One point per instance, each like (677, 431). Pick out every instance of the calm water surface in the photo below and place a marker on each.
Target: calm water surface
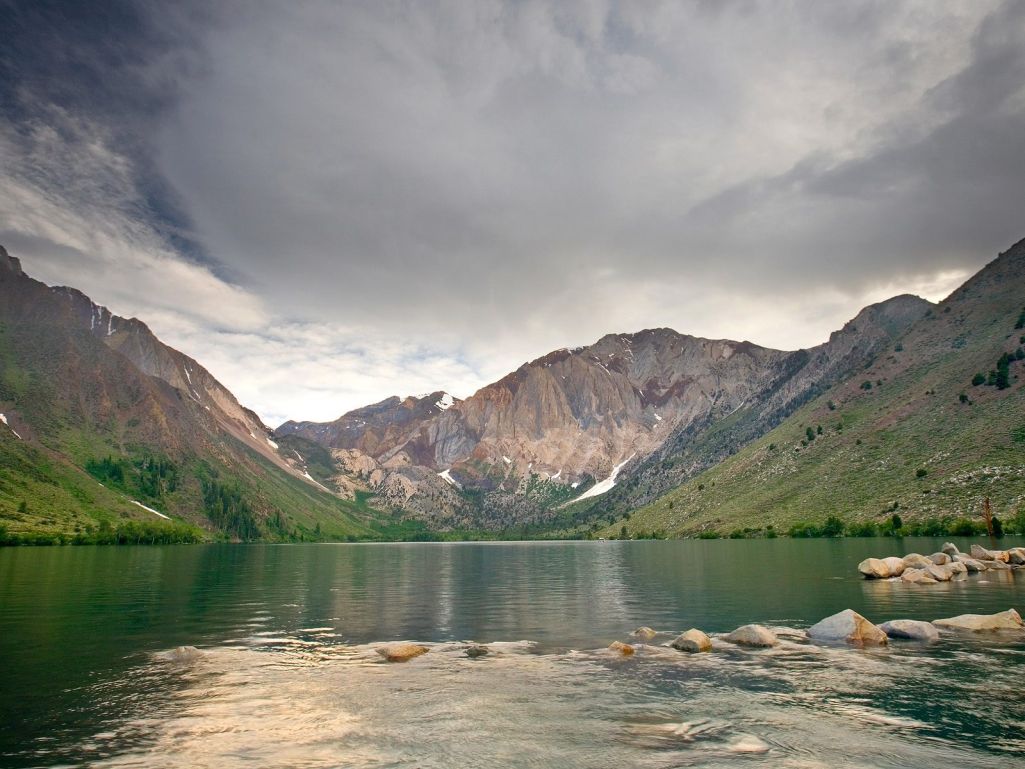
(289, 676)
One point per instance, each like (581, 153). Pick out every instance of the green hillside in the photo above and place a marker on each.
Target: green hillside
(911, 434)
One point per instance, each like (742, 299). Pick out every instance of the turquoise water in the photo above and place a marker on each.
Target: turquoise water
(289, 676)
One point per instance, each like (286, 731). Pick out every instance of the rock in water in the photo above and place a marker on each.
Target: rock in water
(1016, 556)
(847, 626)
(644, 632)
(692, 641)
(918, 577)
(477, 650)
(401, 652)
(749, 744)
(185, 654)
(874, 568)
(1004, 620)
(625, 649)
(916, 561)
(939, 558)
(982, 553)
(895, 565)
(753, 635)
(950, 549)
(940, 573)
(971, 564)
(910, 630)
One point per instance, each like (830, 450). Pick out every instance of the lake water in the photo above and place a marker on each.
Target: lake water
(289, 676)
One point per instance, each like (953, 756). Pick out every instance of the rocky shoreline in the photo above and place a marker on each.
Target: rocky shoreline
(944, 566)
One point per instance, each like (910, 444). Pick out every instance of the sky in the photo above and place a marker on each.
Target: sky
(327, 203)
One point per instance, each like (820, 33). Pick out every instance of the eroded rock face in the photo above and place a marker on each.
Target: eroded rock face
(910, 630)
(692, 641)
(401, 652)
(847, 626)
(753, 635)
(1008, 620)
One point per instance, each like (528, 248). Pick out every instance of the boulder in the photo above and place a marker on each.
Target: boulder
(950, 549)
(753, 635)
(982, 553)
(1016, 556)
(625, 649)
(916, 561)
(645, 633)
(401, 652)
(895, 565)
(957, 568)
(918, 577)
(940, 573)
(1005, 620)
(973, 565)
(998, 565)
(847, 626)
(874, 568)
(910, 630)
(939, 558)
(692, 641)
(477, 650)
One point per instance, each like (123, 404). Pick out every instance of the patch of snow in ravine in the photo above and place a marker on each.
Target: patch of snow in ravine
(447, 476)
(574, 484)
(150, 509)
(657, 417)
(606, 485)
(309, 477)
(556, 475)
(3, 419)
(445, 402)
(506, 459)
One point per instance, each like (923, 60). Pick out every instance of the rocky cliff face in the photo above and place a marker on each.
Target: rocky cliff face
(625, 404)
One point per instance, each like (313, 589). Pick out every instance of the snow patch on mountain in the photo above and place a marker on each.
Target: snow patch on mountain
(603, 486)
(3, 418)
(446, 475)
(150, 509)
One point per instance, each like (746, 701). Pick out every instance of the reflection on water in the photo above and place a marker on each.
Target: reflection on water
(289, 676)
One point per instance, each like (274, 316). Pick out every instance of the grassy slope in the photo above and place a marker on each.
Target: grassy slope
(874, 441)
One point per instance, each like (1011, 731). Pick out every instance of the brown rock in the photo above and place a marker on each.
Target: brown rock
(625, 649)
(692, 641)
(849, 627)
(401, 652)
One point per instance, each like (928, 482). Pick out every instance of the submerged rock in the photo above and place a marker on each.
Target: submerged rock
(910, 630)
(477, 650)
(950, 549)
(692, 641)
(1004, 620)
(184, 654)
(916, 561)
(749, 744)
(918, 577)
(625, 649)
(847, 626)
(874, 568)
(644, 632)
(895, 565)
(401, 652)
(753, 635)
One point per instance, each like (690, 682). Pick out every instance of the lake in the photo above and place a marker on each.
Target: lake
(289, 676)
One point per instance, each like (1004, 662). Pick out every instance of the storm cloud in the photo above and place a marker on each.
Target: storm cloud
(327, 203)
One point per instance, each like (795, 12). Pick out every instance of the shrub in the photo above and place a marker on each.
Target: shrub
(978, 379)
(863, 529)
(921, 472)
(833, 527)
(963, 527)
(810, 433)
(866, 385)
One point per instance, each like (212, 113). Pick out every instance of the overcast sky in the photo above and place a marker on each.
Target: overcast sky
(329, 203)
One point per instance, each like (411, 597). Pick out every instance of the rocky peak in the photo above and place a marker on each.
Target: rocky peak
(9, 263)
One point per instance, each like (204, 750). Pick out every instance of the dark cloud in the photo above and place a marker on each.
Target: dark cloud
(485, 181)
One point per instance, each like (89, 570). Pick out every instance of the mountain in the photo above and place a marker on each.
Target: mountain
(933, 426)
(102, 422)
(568, 425)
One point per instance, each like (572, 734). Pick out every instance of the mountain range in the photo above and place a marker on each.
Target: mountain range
(618, 434)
